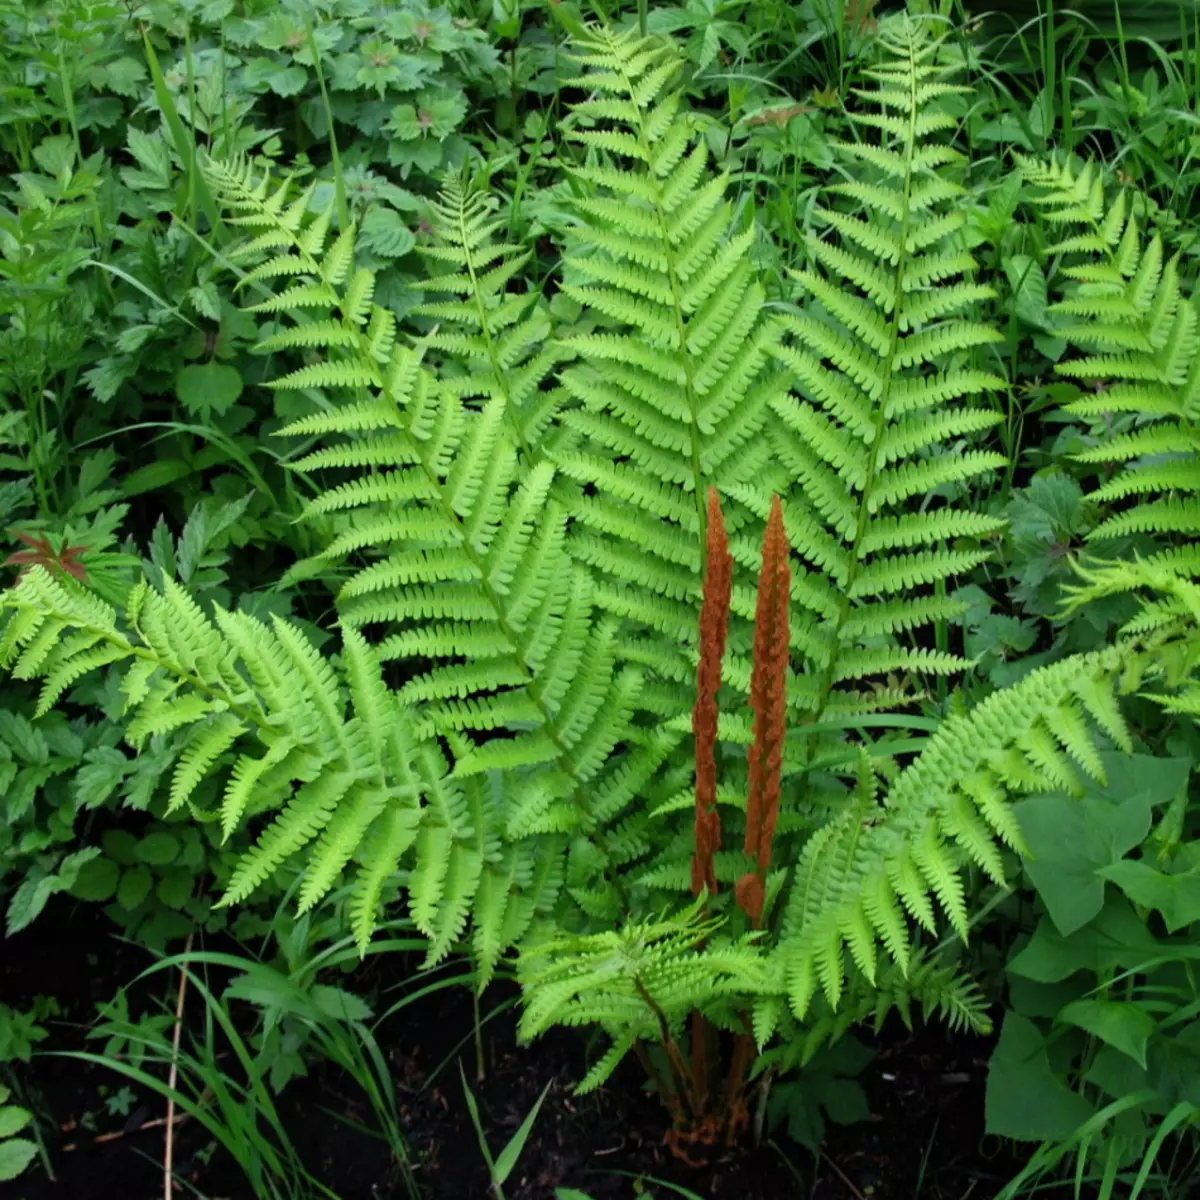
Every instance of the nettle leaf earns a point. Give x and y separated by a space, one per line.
206 300
104 380
157 849
208 388
1072 839
175 887
289 81
97 880
39 885
135 887
124 76
153 171
99 775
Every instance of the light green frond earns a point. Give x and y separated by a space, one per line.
887 357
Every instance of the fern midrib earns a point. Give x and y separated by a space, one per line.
864 515
497 373
693 401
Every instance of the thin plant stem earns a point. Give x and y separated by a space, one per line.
173 1073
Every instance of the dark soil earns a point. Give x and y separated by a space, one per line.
924 1142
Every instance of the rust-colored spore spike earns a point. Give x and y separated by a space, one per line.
768 683
714 621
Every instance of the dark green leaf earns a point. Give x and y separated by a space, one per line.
208 388
97 880
157 849
1122 1024
135 887
1177 897
1025 1099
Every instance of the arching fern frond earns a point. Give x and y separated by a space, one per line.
639 982
1132 321
322 768
887 359
861 877
495 338
673 384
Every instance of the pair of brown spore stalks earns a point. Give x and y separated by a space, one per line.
700 1118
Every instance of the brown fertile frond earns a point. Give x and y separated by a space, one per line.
714 621
768 684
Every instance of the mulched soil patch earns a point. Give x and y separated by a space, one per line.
924 1142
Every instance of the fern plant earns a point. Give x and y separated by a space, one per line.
526 731
469 576
672 386
327 759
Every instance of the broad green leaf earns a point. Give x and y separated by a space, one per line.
384 233
1025 1099
1117 938
119 845
1072 839
1122 1024
97 880
135 887
208 388
1116 1073
1177 897
157 849
175 887
13 1119
15 1156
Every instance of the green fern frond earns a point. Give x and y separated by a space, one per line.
859 873
214 685
1126 311
671 389
495 341
885 359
